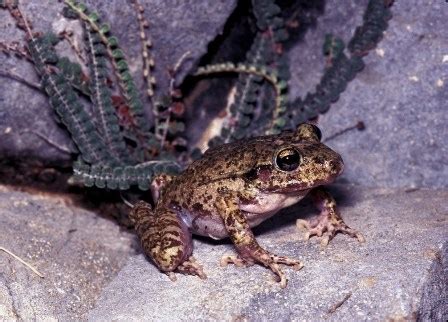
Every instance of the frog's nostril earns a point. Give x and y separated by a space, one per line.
337 165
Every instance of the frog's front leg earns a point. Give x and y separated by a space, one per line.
158 183
165 239
244 240
329 221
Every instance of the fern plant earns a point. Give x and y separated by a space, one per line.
120 150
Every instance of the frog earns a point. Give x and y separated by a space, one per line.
235 187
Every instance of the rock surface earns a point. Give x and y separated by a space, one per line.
175 29
400 95
77 251
388 277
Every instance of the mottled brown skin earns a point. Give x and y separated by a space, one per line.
235 187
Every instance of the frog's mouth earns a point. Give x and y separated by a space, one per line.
297 188
290 190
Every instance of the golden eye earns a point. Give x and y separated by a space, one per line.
288 159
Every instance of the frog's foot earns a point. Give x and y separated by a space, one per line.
326 226
329 221
188 267
269 260
272 261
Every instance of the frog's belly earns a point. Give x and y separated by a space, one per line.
256 211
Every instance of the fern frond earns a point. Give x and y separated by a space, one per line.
333 82
122 178
271 25
265 73
248 90
74 75
342 69
267 14
375 21
148 60
66 103
125 81
102 98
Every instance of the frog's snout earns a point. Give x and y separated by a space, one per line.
337 165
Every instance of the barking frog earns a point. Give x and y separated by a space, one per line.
235 187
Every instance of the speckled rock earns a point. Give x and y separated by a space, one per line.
399 273
77 251
176 28
400 95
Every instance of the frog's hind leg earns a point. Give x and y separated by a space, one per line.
244 240
165 239
329 221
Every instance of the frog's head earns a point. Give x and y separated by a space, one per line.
297 161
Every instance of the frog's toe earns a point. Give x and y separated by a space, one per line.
191 267
171 276
352 233
302 224
269 260
296 264
360 237
274 266
236 260
279 275
274 262
327 229
340 227
312 228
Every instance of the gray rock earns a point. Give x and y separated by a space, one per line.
175 29
399 273
77 251
401 95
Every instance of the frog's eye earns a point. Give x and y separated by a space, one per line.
288 159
